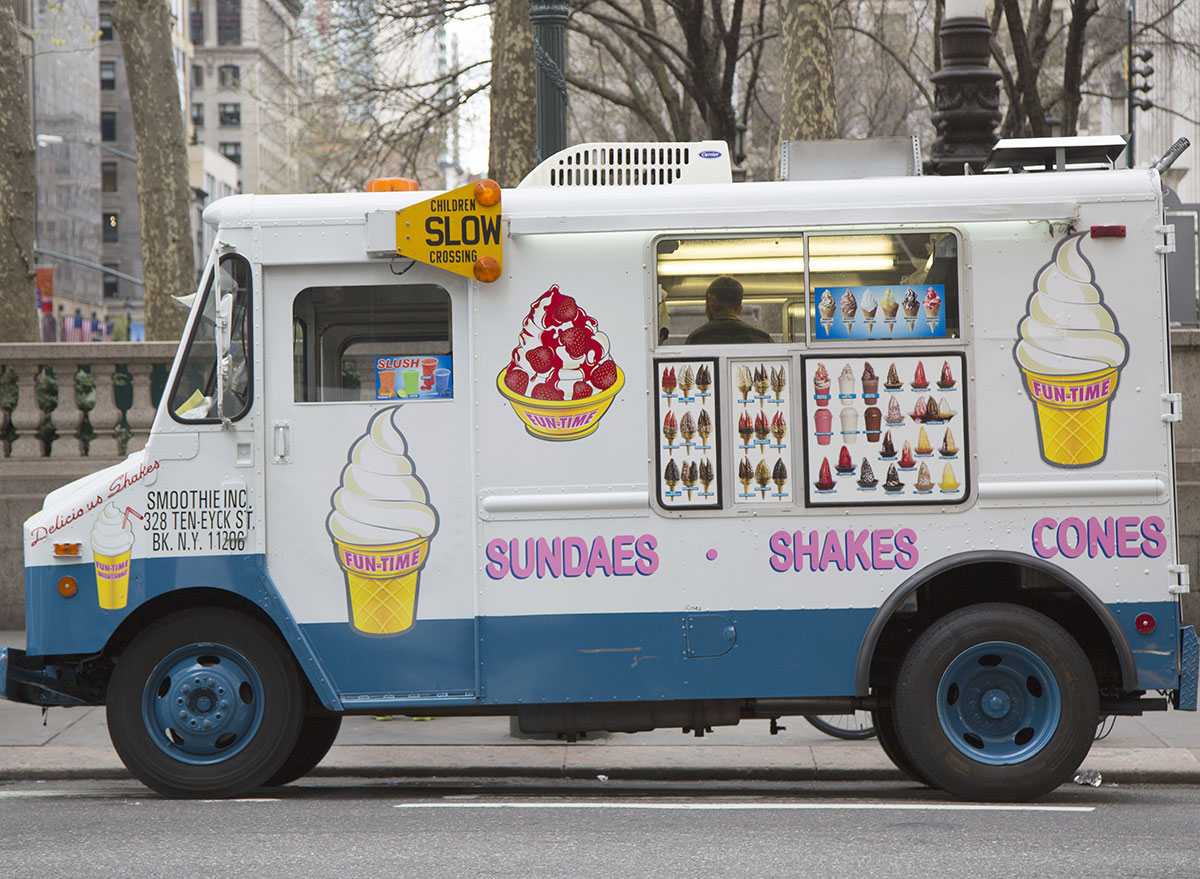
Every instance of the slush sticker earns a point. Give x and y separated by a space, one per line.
419 377
560 379
1071 354
381 525
112 546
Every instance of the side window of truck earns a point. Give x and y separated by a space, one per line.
860 285
730 290
220 343
342 333
889 286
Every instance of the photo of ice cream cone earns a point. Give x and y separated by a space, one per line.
381 525
827 306
1070 354
112 546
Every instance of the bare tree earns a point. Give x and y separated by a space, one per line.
163 194
809 111
512 134
18 318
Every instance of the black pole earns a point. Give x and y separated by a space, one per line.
549 19
967 97
1129 13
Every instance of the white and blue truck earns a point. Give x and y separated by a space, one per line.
453 454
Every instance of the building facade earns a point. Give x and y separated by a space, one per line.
244 80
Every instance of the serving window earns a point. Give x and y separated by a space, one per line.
372 342
893 287
811 287
770 271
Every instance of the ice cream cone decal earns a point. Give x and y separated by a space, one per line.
1071 354
381 525
112 546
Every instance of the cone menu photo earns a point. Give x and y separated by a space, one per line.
1071 353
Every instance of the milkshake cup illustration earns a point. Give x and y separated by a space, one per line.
112 543
382 525
1071 354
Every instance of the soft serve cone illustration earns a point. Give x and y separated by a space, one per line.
382 524
1071 354
112 543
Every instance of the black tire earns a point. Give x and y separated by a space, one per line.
317 734
205 703
885 731
841 726
996 702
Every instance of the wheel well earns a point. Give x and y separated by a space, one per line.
176 600
1012 582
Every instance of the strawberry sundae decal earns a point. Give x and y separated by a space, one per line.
560 379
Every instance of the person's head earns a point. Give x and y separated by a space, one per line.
723 298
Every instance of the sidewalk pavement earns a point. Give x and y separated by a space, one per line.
1161 747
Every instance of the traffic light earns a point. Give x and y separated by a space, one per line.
1141 102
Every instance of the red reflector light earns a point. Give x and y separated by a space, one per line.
1108 231
1144 623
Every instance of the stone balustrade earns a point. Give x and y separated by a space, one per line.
84 417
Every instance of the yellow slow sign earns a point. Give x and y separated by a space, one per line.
458 231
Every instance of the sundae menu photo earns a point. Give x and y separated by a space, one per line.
759 432
687 434
885 429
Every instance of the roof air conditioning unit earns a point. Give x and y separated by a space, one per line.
634 164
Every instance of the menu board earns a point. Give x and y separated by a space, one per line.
759 432
882 313
688 431
885 429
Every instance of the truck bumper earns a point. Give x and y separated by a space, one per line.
27 680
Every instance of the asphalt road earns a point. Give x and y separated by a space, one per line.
498 828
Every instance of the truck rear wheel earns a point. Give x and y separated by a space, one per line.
205 703
996 702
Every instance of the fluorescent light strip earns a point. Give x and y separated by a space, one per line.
775 265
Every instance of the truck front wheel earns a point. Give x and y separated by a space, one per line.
205 703
996 702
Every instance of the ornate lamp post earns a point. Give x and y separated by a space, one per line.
549 19
966 91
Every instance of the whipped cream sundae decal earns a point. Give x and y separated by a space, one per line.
381 525
560 379
1071 354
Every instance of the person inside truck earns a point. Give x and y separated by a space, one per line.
722 305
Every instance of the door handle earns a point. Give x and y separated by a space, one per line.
281 439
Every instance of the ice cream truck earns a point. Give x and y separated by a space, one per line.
451 454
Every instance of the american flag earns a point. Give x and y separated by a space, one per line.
76 329
105 329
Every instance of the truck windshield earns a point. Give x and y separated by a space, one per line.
225 304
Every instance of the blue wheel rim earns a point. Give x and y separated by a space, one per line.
999 703
202 704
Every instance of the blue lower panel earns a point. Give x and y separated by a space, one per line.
602 657
1157 654
550 658
78 624
433 658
